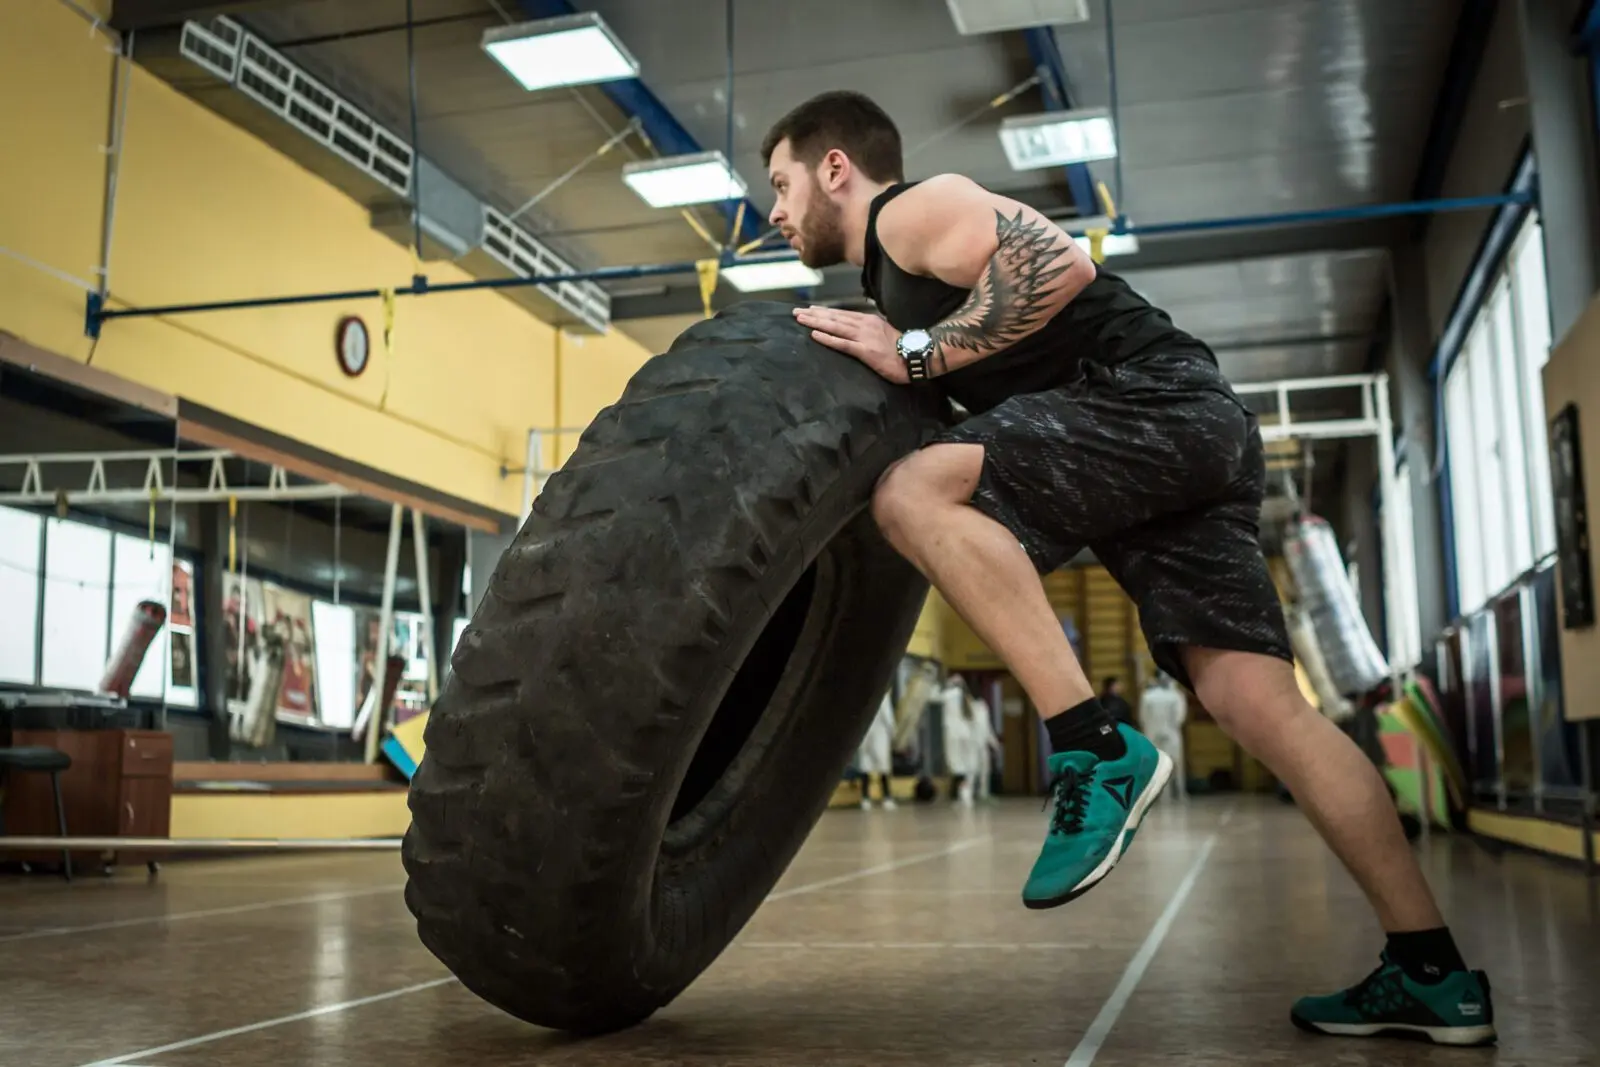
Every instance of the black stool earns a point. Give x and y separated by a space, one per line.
39 760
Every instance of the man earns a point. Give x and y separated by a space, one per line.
1094 421
1114 702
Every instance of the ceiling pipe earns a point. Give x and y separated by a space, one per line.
97 313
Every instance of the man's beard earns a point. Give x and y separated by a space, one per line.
822 236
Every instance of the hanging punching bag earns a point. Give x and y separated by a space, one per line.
124 664
1352 657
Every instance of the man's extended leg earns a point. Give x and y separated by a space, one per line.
1105 776
1423 985
1257 701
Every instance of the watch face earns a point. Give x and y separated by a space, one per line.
916 340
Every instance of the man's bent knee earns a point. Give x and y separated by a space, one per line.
938 474
1250 695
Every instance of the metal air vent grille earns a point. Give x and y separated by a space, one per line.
226 49
516 250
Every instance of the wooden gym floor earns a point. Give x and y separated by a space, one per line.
896 938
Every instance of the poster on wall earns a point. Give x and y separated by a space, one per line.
182 676
407 638
1572 520
288 620
241 621
182 661
182 616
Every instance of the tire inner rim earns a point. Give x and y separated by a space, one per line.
763 694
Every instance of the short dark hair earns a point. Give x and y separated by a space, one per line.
1111 680
845 120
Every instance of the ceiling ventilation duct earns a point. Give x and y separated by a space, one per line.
997 16
234 73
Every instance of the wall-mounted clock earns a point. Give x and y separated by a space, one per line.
352 345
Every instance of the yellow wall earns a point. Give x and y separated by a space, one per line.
927 638
1558 839
322 816
207 212
1104 615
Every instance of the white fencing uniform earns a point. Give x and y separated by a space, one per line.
982 741
957 737
1162 711
875 756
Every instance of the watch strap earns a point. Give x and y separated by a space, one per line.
918 364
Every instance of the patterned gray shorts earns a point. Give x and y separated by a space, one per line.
1157 467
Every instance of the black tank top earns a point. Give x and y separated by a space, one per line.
1105 324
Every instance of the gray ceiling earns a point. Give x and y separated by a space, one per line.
1227 107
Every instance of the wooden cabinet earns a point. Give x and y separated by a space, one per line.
119 785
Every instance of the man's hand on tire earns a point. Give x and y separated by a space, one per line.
868 338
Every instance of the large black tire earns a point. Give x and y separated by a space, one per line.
666 677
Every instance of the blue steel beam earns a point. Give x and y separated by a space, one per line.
1047 58
636 100
1450 108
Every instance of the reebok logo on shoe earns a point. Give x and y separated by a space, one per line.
1121 789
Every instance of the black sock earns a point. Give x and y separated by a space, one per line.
1426 956
1088 727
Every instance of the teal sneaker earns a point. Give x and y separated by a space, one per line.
1454 1011
1098 806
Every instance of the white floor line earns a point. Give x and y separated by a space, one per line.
128 1058
952 946
178 916
1095 1036
882 868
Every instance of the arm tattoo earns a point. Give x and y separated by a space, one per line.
1014 292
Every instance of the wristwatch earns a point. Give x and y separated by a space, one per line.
915 347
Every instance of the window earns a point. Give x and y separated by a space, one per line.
1501 506
1405 621
1506 373
1485 442
1531 304
19 593
1470 584
334 627
77 605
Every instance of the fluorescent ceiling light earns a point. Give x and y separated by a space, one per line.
1057 138
780 274
570 50
994 16
700 178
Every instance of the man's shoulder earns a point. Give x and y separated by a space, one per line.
931 211
940 189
